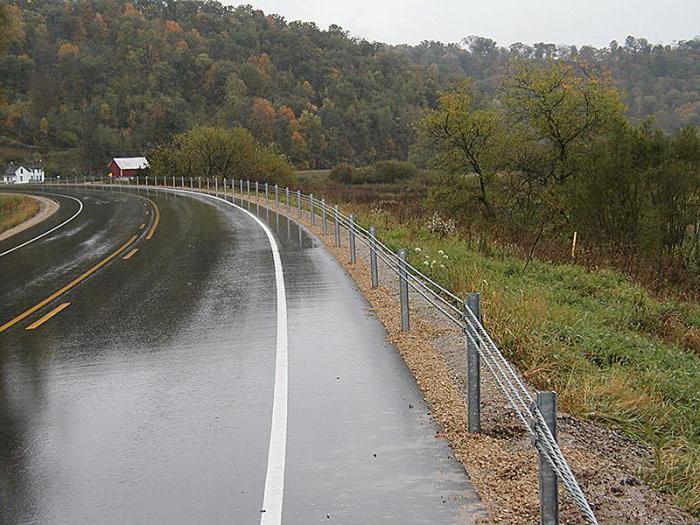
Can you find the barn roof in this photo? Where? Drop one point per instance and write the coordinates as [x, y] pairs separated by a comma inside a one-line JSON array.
[[131, 163]]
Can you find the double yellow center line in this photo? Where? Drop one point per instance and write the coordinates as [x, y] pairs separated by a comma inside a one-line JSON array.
[[42, 320], [156, 220], [80, 279], [67, 287]]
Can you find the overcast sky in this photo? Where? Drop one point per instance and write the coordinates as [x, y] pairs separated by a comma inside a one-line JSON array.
[[595, 22]]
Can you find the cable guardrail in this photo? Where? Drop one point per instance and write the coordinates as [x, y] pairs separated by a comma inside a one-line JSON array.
[[455, 310]]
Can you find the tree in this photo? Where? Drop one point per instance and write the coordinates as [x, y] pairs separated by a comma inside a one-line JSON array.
[[465, 139], [559, 108], [214, 152]]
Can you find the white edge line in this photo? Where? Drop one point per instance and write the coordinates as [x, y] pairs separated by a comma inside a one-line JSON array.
[[271, 512], [52, 229]]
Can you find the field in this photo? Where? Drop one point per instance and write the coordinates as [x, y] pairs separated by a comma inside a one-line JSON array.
[[15, 209], [615, 353]]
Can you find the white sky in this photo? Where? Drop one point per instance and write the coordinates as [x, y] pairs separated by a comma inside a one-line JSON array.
[[595, 22]]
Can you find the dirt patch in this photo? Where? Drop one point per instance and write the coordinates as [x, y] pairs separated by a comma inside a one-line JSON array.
[[47, 207]]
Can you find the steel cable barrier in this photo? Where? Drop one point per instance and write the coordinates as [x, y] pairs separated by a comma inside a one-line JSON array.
[[451, 306]]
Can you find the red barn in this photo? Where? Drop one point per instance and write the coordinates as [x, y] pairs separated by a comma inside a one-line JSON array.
[[128, 166]]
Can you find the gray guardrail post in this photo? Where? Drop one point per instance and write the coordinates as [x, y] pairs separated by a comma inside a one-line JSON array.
[[146, 180], [208, 182], [473, 367], [323, 216], [182, 181], [299, 202], [267, 193], [191, 183], [373, 256], [199, 183], [549, 490], [313, 212], [216, 186], [240, 186], [277, 198], [351, 238], [337, 226], [257, 198], [286, 195], [403, 291]]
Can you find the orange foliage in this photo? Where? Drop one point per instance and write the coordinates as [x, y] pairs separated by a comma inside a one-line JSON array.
[[172, 27], [263, 63], [263, 110], [287, 112], [181, 44], [101, 25], [131, 11]]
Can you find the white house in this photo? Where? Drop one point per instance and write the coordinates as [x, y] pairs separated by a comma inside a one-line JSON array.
[[22, 175]]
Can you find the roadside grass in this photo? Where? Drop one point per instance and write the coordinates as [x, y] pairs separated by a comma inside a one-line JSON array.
[[615, 354], [15, 209]]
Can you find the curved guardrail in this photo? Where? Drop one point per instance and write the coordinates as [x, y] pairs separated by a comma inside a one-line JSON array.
[[454, 308]]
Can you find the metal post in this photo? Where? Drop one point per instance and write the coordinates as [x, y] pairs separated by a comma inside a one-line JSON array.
[[267, 194], [208, 183], [549, 493], [287, 196], [473, 367], [199, 180], [224, 181], [337, 227], [299, 202], [257, 192], [323, 215], [182, 181], [403, 291], [312, 213], [240, 184], [277, 198], [191, 183], [373, 257], [173, 181], [147, 181], [216, 186], [351, 237]]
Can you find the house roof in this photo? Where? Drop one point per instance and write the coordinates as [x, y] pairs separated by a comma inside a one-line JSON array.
[[12, 168], [131, 163]]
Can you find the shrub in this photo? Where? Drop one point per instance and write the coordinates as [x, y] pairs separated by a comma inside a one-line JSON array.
[[343, 172], [381, 172]]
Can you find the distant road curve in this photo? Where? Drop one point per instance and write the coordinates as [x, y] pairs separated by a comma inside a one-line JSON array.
[[69, 219]]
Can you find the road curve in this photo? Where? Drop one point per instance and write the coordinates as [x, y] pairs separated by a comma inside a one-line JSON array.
[[150, 398]]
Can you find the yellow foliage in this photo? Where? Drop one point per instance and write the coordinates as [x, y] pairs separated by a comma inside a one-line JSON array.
[[67, 49]]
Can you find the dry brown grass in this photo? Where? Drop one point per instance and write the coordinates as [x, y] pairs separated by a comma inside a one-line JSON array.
[[15, 209]]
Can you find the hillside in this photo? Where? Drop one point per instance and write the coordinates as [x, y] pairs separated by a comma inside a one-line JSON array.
[[84, 80]]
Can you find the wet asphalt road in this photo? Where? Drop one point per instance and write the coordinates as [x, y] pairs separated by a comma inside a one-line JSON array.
[[148, 398]]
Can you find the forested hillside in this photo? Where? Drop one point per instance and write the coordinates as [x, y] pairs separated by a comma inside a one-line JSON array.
[[85, 80]]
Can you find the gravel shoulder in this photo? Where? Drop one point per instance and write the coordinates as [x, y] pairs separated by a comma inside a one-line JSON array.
[[47, 207]]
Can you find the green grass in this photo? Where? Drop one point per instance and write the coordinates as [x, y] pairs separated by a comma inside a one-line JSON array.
[[615, 354]]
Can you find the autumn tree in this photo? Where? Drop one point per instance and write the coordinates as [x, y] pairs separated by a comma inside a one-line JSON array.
[[558, 107], [465, 139]]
